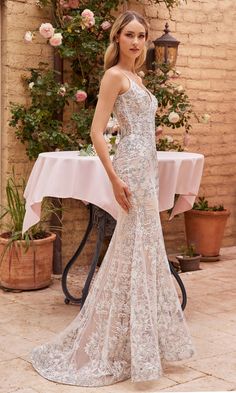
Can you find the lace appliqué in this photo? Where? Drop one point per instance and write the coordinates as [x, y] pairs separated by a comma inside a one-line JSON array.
[[132, 318]]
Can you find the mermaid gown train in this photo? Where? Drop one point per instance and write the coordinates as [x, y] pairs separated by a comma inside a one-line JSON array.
[[132, 318]]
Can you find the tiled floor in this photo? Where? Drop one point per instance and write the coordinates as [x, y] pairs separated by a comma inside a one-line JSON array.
[[30, 318]]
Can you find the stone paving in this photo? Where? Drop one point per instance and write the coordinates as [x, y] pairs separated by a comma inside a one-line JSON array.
[[30, 318]]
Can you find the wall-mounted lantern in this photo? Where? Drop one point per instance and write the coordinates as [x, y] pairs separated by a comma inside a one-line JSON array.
[[164, 51]]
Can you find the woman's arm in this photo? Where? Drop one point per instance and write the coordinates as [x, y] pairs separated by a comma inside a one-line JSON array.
[[111, 85]]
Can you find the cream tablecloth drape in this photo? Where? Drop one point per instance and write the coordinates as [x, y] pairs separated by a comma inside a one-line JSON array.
[[68, 175]]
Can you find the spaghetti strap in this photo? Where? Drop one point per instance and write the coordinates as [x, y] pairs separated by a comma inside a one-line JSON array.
[[127, 76], [136, 83], [130, 84]]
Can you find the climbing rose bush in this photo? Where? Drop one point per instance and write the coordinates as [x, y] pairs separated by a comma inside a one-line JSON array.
[[79, 32]]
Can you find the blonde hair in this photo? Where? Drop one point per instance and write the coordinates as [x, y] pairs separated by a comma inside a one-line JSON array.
[[111, 56]]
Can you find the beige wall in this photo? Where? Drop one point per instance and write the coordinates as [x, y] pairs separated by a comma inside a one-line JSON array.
[[207, 63]]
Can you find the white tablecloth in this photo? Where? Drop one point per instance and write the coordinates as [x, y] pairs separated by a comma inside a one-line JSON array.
[[68, 175]]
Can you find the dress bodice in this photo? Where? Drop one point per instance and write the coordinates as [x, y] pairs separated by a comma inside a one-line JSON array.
[[135, 110]]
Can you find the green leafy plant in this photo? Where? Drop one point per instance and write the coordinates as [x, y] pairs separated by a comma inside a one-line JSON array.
[[37, 124], [175, 109], [12, 215], [188, 251], [202, 204], [165, 144]]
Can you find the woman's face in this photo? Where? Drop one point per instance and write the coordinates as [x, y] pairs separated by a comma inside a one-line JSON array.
[[132, 39]]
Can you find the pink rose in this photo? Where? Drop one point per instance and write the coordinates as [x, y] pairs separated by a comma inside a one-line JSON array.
[[64, 4], [87, 18], [105, 25], [169, 138], [80, 95], [73, 4], [46, 30], [87, 13], [186, 139], [28, 36], [67, 18], [173, 117], [159, 131], [56, 39], [62, 91], [91, 22], [88, 22]]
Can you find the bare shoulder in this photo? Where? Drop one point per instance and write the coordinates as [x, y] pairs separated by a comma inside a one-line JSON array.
[[112, 75], [113, 81]]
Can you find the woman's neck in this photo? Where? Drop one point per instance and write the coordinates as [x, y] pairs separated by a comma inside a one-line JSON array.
[[127, 66]]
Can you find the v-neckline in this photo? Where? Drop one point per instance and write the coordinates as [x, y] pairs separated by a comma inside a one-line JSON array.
[[142, 88]]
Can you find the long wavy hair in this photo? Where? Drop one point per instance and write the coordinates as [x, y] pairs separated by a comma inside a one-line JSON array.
[[111, 56]]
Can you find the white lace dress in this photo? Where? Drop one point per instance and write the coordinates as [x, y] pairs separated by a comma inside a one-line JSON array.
[[132, 318]]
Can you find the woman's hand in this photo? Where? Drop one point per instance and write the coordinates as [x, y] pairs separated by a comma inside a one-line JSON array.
[[122, 193]]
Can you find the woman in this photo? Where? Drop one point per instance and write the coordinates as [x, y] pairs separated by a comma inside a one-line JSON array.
[[132, 318]]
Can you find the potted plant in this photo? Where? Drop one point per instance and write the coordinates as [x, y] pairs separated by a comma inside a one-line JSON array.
[[189, 260], [204, 227], [25, 259]]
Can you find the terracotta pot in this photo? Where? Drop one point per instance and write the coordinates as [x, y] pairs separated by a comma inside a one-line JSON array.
[[205, 229], [189, 264], [25, 270]]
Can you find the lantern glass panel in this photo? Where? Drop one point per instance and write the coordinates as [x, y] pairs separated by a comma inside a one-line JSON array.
[[160, 54], [172, 56], [166, 55]]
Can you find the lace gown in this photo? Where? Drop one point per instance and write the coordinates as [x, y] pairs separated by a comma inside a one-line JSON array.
[[132, 318]]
